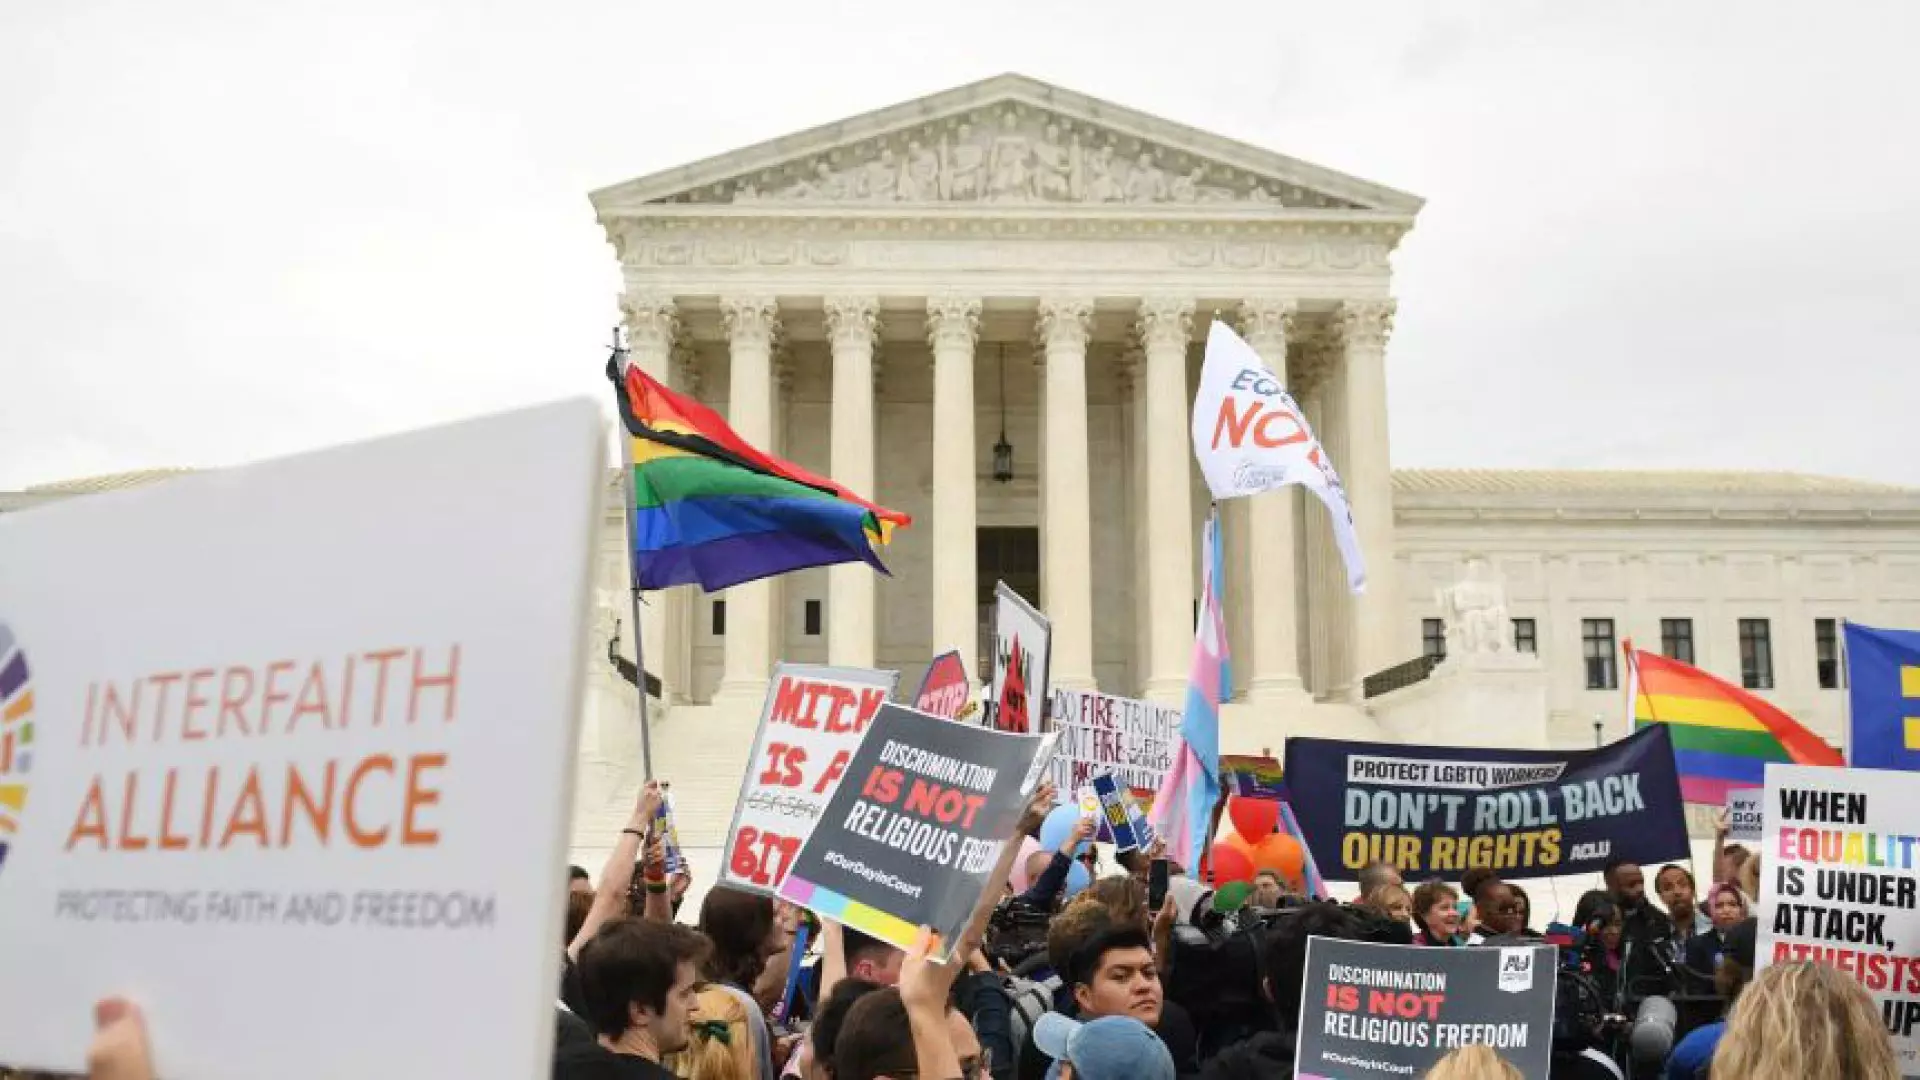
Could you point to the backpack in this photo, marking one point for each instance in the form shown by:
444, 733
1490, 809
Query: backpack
1029, 1000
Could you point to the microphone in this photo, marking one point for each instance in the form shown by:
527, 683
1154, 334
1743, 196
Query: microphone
1651, 1036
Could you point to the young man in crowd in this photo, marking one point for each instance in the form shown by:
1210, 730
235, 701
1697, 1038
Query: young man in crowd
1109, 969
637, 979
1269, 889
871, 959
1674, 884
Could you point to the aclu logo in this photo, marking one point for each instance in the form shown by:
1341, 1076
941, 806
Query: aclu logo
16, 736
1516, 970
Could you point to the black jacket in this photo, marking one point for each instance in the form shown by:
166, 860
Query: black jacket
1266, 1056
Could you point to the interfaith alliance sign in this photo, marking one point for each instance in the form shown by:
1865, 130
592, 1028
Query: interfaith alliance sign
299, 755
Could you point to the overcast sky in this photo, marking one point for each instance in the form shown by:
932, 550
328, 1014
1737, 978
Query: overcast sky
1657, 235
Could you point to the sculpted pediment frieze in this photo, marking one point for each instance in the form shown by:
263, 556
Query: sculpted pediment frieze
1006, 142
1011, 154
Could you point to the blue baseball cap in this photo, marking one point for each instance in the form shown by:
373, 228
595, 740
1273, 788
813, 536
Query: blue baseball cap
1110, 1048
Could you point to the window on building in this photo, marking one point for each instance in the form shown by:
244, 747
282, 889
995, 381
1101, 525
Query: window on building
1676, 639
1596, 643
1756, 654
1433, 639
813, 618
1526, 636
1826, 652
719, 618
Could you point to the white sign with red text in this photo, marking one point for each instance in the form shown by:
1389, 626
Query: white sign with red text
1251, 437
813, 721
287, 755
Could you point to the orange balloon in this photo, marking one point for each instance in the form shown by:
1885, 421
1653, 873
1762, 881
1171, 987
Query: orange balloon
1281, 853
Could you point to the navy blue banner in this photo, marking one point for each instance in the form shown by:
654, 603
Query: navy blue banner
1441, 810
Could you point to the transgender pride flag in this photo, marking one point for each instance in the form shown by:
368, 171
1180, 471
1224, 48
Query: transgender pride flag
1184, 809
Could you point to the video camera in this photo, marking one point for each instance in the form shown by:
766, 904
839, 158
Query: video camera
1016, 933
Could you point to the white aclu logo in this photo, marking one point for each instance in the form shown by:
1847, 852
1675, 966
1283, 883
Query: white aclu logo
1516, 970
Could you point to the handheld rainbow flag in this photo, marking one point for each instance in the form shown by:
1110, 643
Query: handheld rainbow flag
1723, 736
711, 509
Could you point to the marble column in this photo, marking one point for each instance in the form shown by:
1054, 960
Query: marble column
1066, 502
853, 323
953, 327
1165, 324
1272, 645
652, 325
751, 324
682, 604
1332, 601
1368, 476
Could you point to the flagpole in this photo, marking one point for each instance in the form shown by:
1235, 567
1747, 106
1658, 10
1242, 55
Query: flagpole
633, 578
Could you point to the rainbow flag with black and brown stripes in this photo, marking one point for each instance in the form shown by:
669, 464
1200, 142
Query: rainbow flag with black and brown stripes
711, 509
1723, 736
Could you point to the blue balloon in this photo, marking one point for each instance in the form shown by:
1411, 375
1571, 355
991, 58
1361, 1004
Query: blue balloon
1058, 826
1077, 879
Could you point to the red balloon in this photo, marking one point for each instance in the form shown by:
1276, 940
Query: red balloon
1228, 863
1281, 853
1253, 819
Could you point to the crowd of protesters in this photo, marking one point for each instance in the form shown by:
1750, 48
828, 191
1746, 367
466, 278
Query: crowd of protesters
1052, 983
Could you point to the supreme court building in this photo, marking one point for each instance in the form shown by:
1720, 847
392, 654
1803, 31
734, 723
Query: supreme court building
985, 308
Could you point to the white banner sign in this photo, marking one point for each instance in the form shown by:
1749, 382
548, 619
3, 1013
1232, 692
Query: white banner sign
1744, 816
1839, 884
1099, 733
1018, 692
812, 723
1250, 437
288, 755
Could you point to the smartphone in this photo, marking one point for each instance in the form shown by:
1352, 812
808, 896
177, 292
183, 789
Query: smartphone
1156, 885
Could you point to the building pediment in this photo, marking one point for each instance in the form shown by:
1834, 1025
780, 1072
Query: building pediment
1006, 141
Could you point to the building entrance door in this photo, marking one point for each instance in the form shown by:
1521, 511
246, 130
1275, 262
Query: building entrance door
1009, 554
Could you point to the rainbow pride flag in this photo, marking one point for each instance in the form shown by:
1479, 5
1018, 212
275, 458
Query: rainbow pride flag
1722, 735
711, 509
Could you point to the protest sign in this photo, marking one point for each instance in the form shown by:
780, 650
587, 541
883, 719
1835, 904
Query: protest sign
669, 836
945, 689
1838, 885
1022, 651
813, 720
1442, 810
300, 743
1249, 436
1252, 777
1102, 733
1744, 815
1123, 824
1395, 1010
905, 845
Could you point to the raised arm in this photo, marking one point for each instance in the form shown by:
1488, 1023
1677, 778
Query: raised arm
616, 878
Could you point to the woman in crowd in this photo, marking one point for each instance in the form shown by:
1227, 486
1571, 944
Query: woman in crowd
1474, 1062
1727, 908
1525, 914
744, 932
1805, 1021
1436, 914
722, 1044
1598, 919
1390, 902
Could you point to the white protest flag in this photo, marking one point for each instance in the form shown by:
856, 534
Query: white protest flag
1251, 437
